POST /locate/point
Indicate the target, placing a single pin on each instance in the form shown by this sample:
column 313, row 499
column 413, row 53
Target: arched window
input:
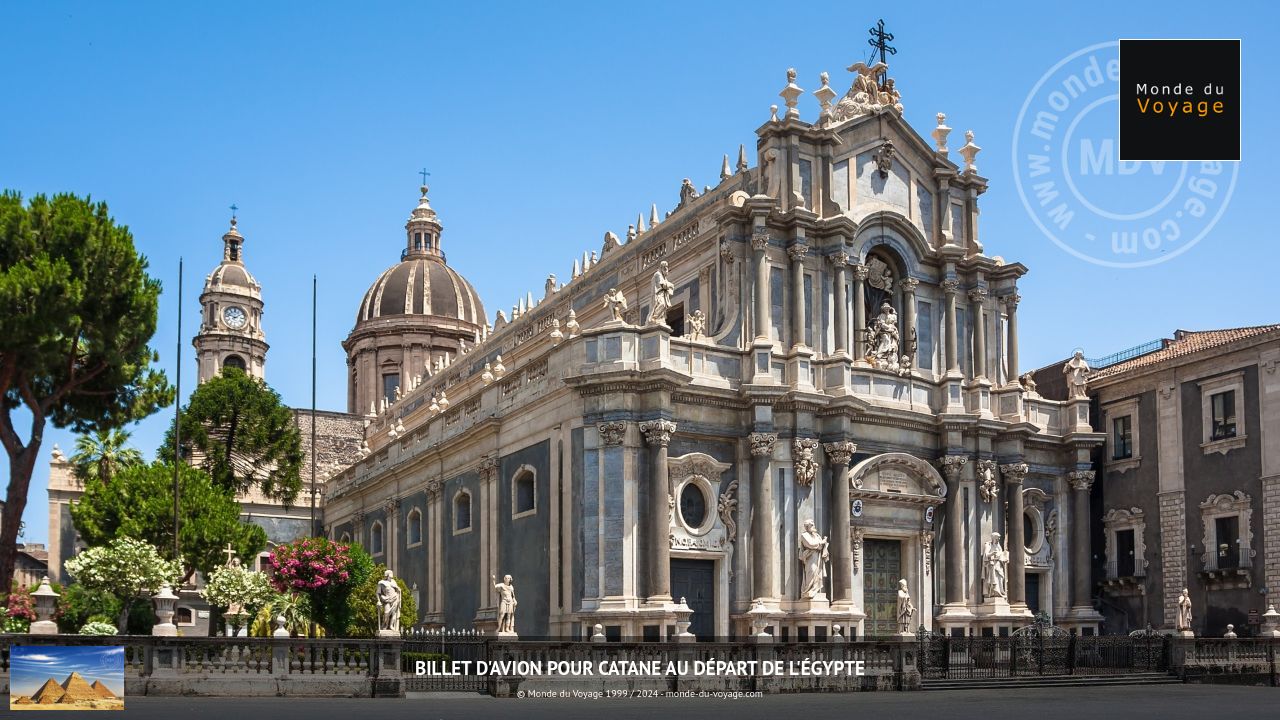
column 183, row 616
column 375, row 538
column 234, row 361
column 414, row 527
column 524, row 492
column 461, row 512
column 345, row 539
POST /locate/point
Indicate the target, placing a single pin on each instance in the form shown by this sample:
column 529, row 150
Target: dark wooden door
column 694, row 580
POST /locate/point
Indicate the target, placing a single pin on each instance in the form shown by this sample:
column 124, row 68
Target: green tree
column 138, row 504
column 127, row 568
column 77, row 310
column 101, row 453
column 242, row 435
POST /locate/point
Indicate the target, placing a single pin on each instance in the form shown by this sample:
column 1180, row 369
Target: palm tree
column 101, row 454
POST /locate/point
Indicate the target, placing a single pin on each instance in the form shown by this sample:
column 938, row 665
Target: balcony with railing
column 1228, row 565
column 1125, row 576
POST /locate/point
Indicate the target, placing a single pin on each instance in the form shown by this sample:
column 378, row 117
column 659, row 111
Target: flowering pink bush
column 325, row 572
column 20, row 604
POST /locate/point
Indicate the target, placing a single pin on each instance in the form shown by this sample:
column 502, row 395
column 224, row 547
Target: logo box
column 1180, row 100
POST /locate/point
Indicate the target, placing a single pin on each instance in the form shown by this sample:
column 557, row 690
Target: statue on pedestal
column 1077, row 372
column 1184, row 611
column 616, row 302
column 814, row 553
column 995, row 560
column 663, row 290
column 906, row 609
column 883, row 348
column 388, row 605
column 506, row 604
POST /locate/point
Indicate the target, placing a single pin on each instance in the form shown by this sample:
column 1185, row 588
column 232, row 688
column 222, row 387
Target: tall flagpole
column 313, row 406
column 177, row 417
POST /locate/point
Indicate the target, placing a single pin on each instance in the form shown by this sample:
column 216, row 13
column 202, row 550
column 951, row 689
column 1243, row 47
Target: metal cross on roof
column 423, row 172
column 233, row 211
column 879, row 42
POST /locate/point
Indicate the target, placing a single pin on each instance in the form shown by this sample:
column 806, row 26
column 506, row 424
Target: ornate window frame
column 1112, row 412
column 1034, row 500
column 413, row 520
column 379, row 531
column 453, row 509
column 1118, row 520
column 1237, row 504
column 1232, row 381
column 709, row 498
column 516, row 477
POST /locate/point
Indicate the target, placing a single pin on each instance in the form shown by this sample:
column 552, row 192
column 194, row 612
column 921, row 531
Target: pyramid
column 102, row 690
column 77, row 689
column 22, row 700
column 49, row 693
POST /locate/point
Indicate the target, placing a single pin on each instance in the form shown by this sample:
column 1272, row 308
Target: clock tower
column 231, row 315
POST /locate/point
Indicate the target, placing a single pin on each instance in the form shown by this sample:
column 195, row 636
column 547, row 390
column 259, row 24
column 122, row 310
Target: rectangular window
column 808, row 310
column 924, row 335
column 390, row 382
column 1122, row 438
column 1124, row 553
column 1224, row 415
column 1228, row 535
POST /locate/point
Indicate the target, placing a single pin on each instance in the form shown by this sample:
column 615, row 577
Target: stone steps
column 1031, row 681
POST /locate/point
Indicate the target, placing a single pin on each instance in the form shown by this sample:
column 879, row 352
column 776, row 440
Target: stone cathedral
column 772, row 405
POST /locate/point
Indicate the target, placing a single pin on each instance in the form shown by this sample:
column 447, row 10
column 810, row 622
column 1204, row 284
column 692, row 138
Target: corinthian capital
column 860, row 273
column 839, row 258
column 657, row 432
column 840, row 452
column 612, row 433
column 797, row 251
column 1014, row 472
column 762, row 443
column 952, row 465
column 488, row 468
column 950, row 287
column 1011, row 302
column 977, row 295
column 760, row 238
column 1080, row 479
column 909, row 284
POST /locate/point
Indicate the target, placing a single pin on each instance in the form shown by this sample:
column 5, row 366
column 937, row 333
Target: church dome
column 230, row 274
column 422, row 286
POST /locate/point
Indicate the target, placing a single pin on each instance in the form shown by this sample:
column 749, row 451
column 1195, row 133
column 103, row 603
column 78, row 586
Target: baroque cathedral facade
column 768, row 407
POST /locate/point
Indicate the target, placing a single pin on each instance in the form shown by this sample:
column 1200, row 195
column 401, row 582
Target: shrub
column 16, row 625
column 79, row 604
column 98, row 628
column 326, row 573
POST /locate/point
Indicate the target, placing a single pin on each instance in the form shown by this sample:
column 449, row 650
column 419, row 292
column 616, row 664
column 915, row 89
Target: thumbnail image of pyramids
column 66, row 678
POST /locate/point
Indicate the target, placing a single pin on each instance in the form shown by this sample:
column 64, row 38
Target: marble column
column 951, row 287
column 797, row 252
column 1081, row 565
column 840, row 453
column 840, row 261
column 1011, row 310
column 759, row 242
column 390, row 536
column 657, row 433
column 763, row 543
column 908, row 335
column 860, row 273
column 976, row 297
column 1013, row 475
column 952, row 468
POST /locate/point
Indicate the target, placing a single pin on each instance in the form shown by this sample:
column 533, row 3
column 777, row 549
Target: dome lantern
column 423, row 230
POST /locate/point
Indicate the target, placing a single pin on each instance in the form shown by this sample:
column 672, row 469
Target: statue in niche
column 906, row 609
column 1184, row 611
column 663, row 290
column 882, row 351
column 815, row 555
column 1077, row 372
column 388, row 605
column 616, row 302
column 506, row 604
column 995, row 561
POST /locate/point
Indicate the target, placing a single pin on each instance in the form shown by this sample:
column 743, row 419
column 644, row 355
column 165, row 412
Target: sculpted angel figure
column 884, row 339
column 617, row 304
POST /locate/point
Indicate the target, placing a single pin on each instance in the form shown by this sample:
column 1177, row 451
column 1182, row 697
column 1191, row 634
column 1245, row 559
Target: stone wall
column 338, row 438
column 1173, row 551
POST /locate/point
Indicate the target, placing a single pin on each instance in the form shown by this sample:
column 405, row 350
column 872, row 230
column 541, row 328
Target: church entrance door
column 694, row 580
column 882, row 560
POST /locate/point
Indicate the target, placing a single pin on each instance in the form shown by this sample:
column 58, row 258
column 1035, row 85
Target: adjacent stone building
column 820, row 338
column 1190, row 480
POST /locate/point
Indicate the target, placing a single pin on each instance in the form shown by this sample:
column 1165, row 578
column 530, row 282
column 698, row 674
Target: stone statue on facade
column 697, row 323
column 663, row 290
column 1184, row 612
column 616, row 302
column 815, row 555
column 1028, row 382
column 1077, row 372
column 995, row 561
column 883, row 348
column 864, row 96
column 989, row 487
column 906, row 609
column 388, row 605
column 506, row 605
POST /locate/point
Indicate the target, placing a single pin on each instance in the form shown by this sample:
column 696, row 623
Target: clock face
column 234, row 317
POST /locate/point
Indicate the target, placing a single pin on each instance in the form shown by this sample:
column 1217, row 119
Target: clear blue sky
column 544, row 125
